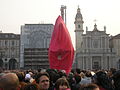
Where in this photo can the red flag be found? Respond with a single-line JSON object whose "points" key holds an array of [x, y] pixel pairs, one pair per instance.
{"points": [[61, 51]]}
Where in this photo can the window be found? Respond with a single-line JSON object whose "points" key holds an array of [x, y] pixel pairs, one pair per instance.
{"points": [[6, 59], [12, 43], [96, 65], [6, 36], [78, 26], [96, 62], [12, 36], [5, 43]]}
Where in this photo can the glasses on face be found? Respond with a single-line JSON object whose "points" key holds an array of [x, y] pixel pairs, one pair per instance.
{"points": [[45, 81]]}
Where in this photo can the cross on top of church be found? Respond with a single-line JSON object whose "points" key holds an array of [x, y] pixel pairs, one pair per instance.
{"points": [[95, 26], [95, 20]]}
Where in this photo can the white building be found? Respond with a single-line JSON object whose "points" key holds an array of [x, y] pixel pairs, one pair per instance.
{"points": [[34, 36], [92, 48], [9, 50], [115, 45]]}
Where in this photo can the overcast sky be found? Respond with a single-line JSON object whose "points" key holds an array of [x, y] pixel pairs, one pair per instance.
{"points": [[14, 13]]}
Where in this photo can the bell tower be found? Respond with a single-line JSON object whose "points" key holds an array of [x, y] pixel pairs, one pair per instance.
{"points": [[78, 29]]}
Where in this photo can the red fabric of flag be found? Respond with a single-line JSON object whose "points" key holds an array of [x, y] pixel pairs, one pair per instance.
{"points": [[61, 51]]}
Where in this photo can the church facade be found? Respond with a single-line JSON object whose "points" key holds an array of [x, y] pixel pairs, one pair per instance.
{"points": [[92, 48]]}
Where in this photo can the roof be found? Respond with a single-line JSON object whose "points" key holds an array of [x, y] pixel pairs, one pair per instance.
{"points": [[38, 24], [116, 36]]}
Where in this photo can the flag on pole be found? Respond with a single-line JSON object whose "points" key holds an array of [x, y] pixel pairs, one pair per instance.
{"points": [[61, 51]]}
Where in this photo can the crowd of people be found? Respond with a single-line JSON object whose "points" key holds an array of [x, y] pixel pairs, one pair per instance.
{"points": [[52, 79]]}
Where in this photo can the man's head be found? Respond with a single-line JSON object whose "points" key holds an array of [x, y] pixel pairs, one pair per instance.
{"points": [[9, 81], [90, 87], [43, 80]]}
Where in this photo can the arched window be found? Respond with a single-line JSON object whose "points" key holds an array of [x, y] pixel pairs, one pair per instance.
{"points": [[12, 64]]}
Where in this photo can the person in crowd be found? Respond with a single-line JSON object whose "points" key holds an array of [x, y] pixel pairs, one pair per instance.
{"points": [[77, 71], [21, 77], [53, 73], [77, 85], [90, 87], [111, 72], [62, 84], [27, 76], [87, 78], [9, 81], [31, 86], [116, 79], [102, 80], [62, 73], [1, 74], [71, 80], [42, 79], [82, 74]]}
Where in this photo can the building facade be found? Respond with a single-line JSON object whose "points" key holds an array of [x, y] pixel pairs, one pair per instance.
{"points": [[115, 45], [36, 58], [35, 38], [9, 50], [92, 48]]}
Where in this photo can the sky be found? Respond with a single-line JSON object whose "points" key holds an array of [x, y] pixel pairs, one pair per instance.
{"points": [[14, 13]]}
